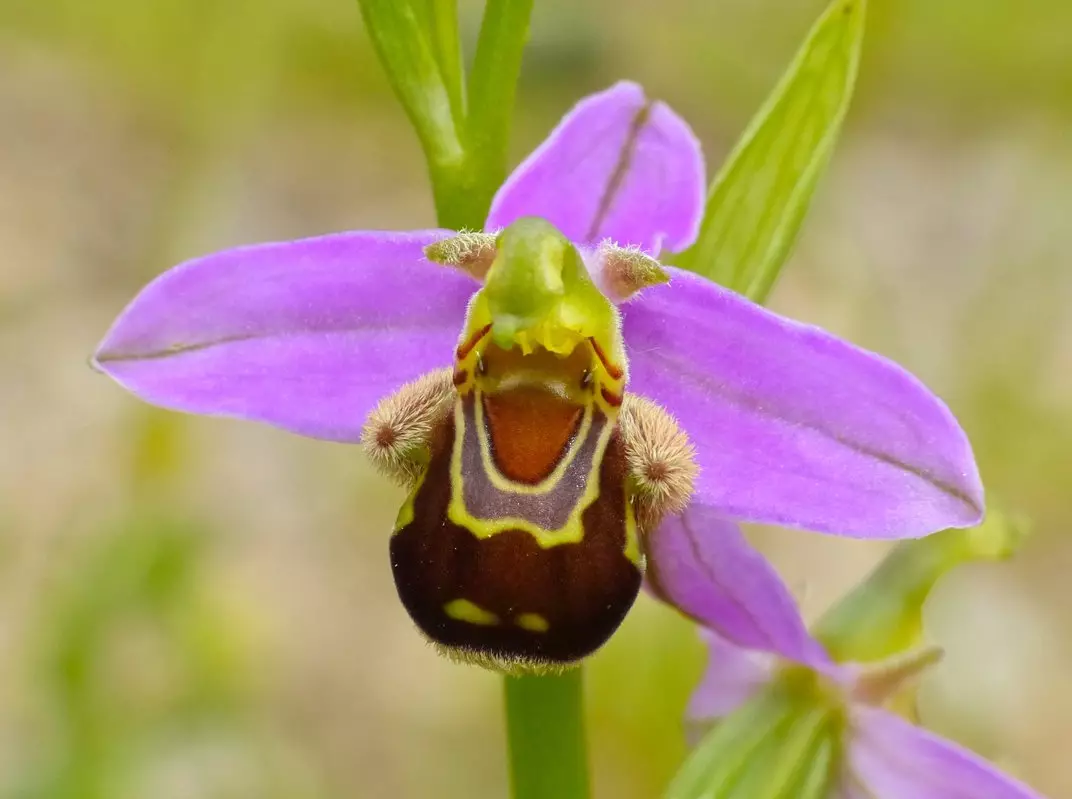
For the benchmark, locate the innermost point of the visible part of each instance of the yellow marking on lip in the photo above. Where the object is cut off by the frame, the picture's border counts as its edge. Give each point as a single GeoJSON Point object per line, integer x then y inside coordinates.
{"type": "Point", "coordinates": [533, 622]}
{"type": "Point", "coordinates": [632, 538]}
{"type": "Point", "coordinates": [571, 532]}
{"type": "Point", "coordinates": [464, 610]}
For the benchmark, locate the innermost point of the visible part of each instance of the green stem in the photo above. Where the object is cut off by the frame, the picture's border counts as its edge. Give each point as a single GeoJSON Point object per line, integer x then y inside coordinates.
{"type": "Point", "coordinates": [410, 42]}
{"type": "Point", "coordinates": [545, 727]}
{"type": "Point", "coordinates": [464, 183]}
{"type": "Point", "coordinates": [417, 42]}
{"type": "Point", "coordinates": [461, 198]}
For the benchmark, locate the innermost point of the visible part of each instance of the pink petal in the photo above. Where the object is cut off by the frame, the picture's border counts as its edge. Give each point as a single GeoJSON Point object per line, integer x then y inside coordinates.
{"type": "Point", "coordinates": [305, 335]}
{"type": "Point", "coordinates": [618, 166]}
{"type": "Point", "coordinates": [795, 426]}
{"type": "Point", "coordinates": [889, 758]}
{"type": "Point", "coordinates": [732, 677]}
{"type": "Point", "coordinates": [703, 565]}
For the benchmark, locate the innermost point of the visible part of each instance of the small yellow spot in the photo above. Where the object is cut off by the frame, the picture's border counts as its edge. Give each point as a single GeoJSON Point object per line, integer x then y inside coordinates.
{"type": "Point", "coordinates": [533, 622]}
{"type": "Point", "coordinates": [464, 610]}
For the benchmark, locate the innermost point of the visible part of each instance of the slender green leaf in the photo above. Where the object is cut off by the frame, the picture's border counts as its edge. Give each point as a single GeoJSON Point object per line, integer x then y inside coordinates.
{"type": "Point", "coordinates": [820, 772]}
{"type": "Point", "coordinates": [493, 83]}
{"type": "Point", "coordinates": [724, 753]}
{"type": "Point", "coordinates": [400, 33]}
{"type": "Point", "coordinates": [796, 762]}
{"type": "Point", "coordinates": [783, 743]}
{"type": "Point", "coordinates": [465, 143]}
{"type": "Point", "coordinates": [760, 196]}
{"type": "Point", "coordinates": [440, 21]}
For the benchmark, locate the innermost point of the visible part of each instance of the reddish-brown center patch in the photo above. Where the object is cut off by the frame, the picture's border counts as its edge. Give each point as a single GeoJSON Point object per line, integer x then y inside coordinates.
{"type": "Point", "coordinates": [530, 430]}
{"type": "Point", "coordinates": [385, 436]}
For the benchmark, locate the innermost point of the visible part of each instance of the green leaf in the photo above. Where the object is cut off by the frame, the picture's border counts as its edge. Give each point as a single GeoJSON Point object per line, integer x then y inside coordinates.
{"type": "Point", "coordinates": [400, 33]}
{"type": "Point", "coordinates": [791, 758]}
{"type": "Point", "coordinates": [411, 40]}
{"type": "Point", "coordinates": [464, 192]}
{"type": "Point", "coordinates": [727, 749]}
{"type": "Point", "coordinates": [465, 143]}
{"type": "Point", "coordinates": [493, 84]}
{"type": "Point", "coordinates": [784, 743]}
{"type": "Point", "coordinates": [759, 198]}
{"type": "Point", "coordinates": [441, 23]}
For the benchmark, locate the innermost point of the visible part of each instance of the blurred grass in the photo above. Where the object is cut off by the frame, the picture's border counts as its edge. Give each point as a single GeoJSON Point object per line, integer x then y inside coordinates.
{"type": "Point", "coordinates": [260, 651]}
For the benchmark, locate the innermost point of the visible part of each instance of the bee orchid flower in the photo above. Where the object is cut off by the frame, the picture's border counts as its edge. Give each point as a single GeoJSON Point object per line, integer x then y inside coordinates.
{"type": "Point", "coordinates": [824, 725]}
{"type": "Point", "coordinates": [547, 391]}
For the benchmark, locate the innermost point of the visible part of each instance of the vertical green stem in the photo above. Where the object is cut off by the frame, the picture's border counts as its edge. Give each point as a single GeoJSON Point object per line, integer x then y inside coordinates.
{"type": "Point", "coordinates": [544, 714]}
{"type": "Point", "coordinates": [545, 727]}
{"type": "Point", "coordinates": [417, 42]}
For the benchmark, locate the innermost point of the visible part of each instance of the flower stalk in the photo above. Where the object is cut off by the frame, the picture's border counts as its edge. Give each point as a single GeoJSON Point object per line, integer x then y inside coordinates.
{"type": "Point", "coordinates": [464, 136]}
{"type": "Point", "coordinates": [545, 728]}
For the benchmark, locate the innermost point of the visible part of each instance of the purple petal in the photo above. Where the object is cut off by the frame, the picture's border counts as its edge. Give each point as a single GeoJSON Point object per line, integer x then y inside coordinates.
{"type": "Point", "coordinates": [305, 335]}
{"type": "Point", "coordinates": [794, 426]}
{"type": "Point", "coordinates": [618, 166]}
{"type": "Point", "coordinates": [732, 677]}
{"type": "Point", "coordinates": [850, 790]}
{"type": "Point", "coordinates": [891, 759]}
{"type": "Point", "coordinates": [703, 565]}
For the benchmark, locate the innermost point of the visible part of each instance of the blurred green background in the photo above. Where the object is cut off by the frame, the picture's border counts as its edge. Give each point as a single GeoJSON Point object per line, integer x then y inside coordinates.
{"type": "Point", "coordinates": [203, 608]}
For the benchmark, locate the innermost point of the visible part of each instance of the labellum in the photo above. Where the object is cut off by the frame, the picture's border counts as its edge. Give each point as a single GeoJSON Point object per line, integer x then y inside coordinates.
{"type": "Point", "coordinates": [519, 546]}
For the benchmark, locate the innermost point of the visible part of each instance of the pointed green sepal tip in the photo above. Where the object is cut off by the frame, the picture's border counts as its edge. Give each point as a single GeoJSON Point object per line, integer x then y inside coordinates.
{"type": "Point", "coordinates": [883, 616]}
{"type": "Point", "coordinates": [758, 199]}
{"type": "Point", "coordinates": [884, 682]}
{"type": "Point", "coordinates": [998, 538]}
